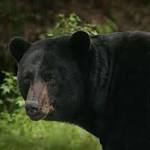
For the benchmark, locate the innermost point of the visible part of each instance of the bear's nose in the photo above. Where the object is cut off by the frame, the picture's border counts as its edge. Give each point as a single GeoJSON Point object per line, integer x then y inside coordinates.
{"type": "Point", "coordinates": [31, 109]}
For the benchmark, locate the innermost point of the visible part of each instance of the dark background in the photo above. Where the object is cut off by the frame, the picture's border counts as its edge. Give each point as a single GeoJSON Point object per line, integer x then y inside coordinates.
{"type": "Point", "coordinates": [31, 18]}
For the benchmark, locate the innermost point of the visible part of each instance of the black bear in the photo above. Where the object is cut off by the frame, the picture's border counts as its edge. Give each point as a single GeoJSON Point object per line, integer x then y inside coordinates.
{"type": "Point", "coordinates": [101, 83]}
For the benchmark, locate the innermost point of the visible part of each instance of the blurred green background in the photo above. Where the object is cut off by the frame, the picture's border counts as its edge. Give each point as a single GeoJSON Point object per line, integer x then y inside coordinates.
{"type": "Point", "coordinates": [35, 20]}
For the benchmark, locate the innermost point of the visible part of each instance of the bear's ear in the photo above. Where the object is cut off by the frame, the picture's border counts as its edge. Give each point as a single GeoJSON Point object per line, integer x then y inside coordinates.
{"type": "Point", "coordinates": [80, 42]}
{"type": "Point", "coordinates": [17, 47]}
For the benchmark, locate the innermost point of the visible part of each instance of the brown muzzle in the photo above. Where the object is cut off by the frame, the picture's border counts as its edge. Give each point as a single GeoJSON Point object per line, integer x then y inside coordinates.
{"type": "Point", "coordinates": [38, 104]}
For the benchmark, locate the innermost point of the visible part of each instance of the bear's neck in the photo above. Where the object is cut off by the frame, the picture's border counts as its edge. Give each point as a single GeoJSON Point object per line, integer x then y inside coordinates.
{"type": "Point", "coordinates": [97, 86]}
{"type": "Point", "coordinates": [99, 76]}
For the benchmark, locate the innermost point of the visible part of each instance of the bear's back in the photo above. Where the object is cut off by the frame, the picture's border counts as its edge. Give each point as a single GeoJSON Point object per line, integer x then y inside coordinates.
{"type": "Point", "coordinates": [129, 95]}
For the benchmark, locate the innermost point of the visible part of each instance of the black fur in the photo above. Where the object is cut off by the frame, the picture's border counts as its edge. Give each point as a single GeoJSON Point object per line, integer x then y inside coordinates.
{"type": "Point", "coordinates": [101, 83]}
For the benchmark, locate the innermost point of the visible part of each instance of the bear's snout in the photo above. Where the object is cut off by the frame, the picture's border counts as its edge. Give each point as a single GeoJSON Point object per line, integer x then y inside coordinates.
{"type": "Point", "coordinates": [38, 104]}
{"type": "Point", "coordinates": [32, 109]}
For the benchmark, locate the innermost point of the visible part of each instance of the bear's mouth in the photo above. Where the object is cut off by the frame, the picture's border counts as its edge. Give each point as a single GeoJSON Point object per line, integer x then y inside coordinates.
{"type": "Point", "coordinates": [41, 113]}
{"type": "Point", "coordinates": [37, 117]}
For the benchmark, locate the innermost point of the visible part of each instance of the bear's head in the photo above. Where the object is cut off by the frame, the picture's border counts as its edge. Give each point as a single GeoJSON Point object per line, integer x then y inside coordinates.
{"type": "Point", "coordinates": [50, 75]}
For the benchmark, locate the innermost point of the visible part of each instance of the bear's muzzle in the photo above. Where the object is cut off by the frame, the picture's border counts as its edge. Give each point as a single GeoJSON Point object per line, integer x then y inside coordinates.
{"type": "Point", "coordinates": [38, 105]}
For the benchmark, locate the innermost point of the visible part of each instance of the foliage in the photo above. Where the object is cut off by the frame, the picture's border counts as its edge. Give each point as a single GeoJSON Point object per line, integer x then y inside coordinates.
{"type": "Point", "coordinates": [22, 133]}
{"type": "Point", "coordinates": [10, 99]}
{"type": "Point", "coordinates": [72, 23]}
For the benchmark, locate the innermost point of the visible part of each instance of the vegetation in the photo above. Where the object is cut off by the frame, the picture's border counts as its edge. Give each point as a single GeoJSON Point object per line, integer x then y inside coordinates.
{"type": "Point", "coordinates": [10, 99]}
{"type": "Point", "coordinates": [17, 132]}
{"type": "Point", "coordinates": [73, 23]}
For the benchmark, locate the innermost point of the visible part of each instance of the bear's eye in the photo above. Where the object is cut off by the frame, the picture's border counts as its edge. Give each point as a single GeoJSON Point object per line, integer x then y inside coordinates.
{"type": "Point", "coordinates": [26, 82]}
{"type": "Point", "coordinates": [47, 76]}
{"type": "Point", "coordinates": [27, 78]}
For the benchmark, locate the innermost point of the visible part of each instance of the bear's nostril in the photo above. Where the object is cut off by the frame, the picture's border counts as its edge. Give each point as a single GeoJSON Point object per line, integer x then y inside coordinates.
{"type": "Point", "coordinates": [31, 109]}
